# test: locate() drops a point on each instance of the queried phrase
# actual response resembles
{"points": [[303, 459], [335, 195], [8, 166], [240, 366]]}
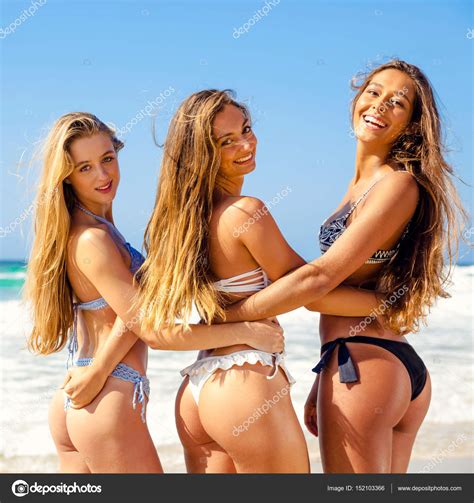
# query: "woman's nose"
{"points": [[245, 144], [102, 171]]}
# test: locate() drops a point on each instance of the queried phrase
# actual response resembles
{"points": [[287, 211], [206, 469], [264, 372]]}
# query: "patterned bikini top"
{"points": [[330, 231], [136, 260]]}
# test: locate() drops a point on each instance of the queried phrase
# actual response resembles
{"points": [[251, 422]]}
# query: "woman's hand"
{"points": [[310, 409], [264, 335], [83, 384]]}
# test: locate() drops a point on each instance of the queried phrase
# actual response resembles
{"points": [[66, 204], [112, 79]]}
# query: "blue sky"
{"points": [[292, 67]]}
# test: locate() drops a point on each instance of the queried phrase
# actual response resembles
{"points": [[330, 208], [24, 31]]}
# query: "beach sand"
{"points": [[173, 462]]}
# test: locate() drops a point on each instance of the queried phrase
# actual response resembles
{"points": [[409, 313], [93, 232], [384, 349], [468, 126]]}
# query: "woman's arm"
{"points": [[83, 384], [265, 242], [311, 408], [386, 211], [348, 301], [100, 261]]}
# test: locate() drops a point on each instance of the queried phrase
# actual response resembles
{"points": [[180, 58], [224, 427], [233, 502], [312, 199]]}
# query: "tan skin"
{"points": [[369, 426], [209, 445], [77, 436], [264, 245], [107, 434]]}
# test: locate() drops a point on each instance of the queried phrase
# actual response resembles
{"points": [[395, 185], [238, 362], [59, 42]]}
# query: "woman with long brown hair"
{"points": [[390, 232], [81, 286]]}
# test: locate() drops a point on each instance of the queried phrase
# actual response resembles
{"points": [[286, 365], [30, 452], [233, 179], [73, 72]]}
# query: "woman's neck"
{"points": [[101, 210], [228, 187], [369, 160]]}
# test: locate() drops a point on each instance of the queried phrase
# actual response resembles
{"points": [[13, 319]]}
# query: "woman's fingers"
{"points": [[274, 320], [66, 379], [310, 419]]}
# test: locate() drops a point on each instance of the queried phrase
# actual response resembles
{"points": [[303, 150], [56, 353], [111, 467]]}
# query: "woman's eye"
{"points": [[372, 92], [226, 142], [84, 168], [247, 129], [108, 159], [396, 102]]}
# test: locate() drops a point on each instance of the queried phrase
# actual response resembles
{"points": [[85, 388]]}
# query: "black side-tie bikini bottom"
{"points": [[402, 350]]}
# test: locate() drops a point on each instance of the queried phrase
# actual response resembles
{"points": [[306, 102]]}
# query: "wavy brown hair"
{"points": [[420, 264], [47, 287], [176, 271]]}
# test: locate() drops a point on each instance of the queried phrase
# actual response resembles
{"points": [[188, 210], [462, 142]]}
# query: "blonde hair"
{"points": [[47, 286], [419, 266], [176, 271]]}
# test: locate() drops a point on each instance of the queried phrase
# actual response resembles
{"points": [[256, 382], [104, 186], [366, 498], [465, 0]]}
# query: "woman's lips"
{"points": [[245, 159], [373, 123], [105, 188]]}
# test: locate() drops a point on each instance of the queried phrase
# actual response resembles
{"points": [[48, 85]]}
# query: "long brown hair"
{"points": [[420, 266], [47, 286], [176, 271]]}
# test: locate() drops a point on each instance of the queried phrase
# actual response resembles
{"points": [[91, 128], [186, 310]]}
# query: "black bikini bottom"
{"points": [[403, 351]]}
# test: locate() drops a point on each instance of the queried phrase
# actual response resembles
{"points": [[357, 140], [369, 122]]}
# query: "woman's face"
{"points": [[236, 142], [96, 172], [384, 108]]}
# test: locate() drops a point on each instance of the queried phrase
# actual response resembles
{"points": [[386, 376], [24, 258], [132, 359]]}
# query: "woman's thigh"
{"points": [[356, 420], [252, 418], [110, 434]]}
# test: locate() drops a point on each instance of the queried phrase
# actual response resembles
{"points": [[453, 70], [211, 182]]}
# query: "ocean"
{"points": [[28, 382]]}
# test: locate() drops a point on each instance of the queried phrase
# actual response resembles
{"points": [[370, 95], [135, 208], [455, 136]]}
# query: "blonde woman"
{"points": [[81, 284], [398, 217]]}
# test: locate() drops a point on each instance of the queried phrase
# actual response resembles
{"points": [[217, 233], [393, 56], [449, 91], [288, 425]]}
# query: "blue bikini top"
{"points": [[136, 260], [332, 230]]}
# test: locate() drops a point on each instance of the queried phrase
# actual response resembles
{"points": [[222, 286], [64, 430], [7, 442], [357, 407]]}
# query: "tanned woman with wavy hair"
{"points": [[400, 215], [81, 284], [195, 256]]}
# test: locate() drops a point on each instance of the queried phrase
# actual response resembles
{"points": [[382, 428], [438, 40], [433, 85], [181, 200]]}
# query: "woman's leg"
{"points": [[70, 460], [405, 431], [356, 421], [201, 453], [110, 434], [253, 420]]}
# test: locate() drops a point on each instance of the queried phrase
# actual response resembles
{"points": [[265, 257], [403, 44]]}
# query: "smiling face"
{"points": [[384, 108], [96, 172], [236, 142]]}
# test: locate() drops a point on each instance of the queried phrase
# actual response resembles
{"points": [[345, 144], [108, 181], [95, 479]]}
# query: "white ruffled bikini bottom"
{"points": [[203, 368]]}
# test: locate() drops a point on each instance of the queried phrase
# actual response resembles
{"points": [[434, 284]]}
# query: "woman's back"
{"points": [[237, 273]]}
